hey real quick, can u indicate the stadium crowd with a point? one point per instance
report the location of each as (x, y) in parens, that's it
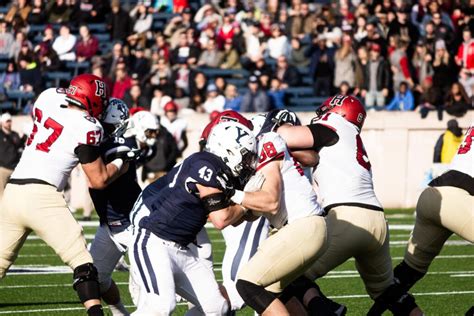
(246, 55)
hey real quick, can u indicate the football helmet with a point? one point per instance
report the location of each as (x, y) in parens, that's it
(257, 122)
(88, 92)
(116, 116)
(347, 106)
(144, 126)
(236, 145)
(225, 116)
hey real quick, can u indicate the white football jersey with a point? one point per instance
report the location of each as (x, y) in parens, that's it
(176, 128)
(344, 172)
(464, 159)
(57, 131)
(298, 198)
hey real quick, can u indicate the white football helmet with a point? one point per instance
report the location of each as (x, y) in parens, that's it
(236, 145)
(257, 122)
(116, 115)
(144, 126)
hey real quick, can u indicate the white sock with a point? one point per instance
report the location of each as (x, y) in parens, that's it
(118, 310)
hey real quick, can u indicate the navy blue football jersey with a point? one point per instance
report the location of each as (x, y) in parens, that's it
(114, 203)
(176, 210)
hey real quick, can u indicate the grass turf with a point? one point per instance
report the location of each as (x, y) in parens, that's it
(448, 289)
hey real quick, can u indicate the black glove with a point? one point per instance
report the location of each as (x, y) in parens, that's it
(285, 117)
(122, 152)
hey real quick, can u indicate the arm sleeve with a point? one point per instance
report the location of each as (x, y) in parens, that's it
(323, 136)
(87, 153)
(437, 149)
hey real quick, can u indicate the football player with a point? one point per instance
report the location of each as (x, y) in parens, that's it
(444, 208)
(286, 197)
(114, 203)
(355, 218)
(66, 132)
(181, 201)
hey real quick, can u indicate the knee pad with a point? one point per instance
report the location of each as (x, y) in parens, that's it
(406, 276)
(254, 295)
(86, 282)
(298, 289)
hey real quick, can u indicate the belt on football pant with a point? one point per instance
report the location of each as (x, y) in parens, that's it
(170, 243)
(361, 205)
(28, 181)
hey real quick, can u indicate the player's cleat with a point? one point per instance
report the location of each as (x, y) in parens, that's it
(470, 312)
(336, 308)
(122, 265)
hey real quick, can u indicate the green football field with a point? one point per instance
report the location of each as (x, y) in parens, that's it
(39, 284)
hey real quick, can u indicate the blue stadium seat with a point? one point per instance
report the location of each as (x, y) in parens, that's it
(97, 27)
(216, 72)
(3, 66)
(163, 16)
(7, 105)
(19, 97)
(37, 28)
(103, 37)
(158, 25)
(307, 80)
(77, 67)
(4, 9)
(238, 82)
(300, 91)
(57, 76)
(307, 101)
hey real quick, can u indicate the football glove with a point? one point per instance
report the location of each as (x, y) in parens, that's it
(122, 152)
(226, 184)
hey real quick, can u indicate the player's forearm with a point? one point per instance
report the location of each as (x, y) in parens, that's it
(261, 201)
(296, 137)
(228, 216)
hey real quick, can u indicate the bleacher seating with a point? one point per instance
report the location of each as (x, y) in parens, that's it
(77, 67)
(54, 78)
(216, 72)
(19, 96)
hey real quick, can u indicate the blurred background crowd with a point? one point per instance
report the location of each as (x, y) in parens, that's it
(244, 55)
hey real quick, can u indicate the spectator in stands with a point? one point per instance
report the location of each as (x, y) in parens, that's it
(113, 59)
(10, 79)
(210, 57)
(161, 47)
(134, 98)
(165, 158)
(430, 99)
(214, 100)
(180, 75)
(159, 100)
(277, 94)
(121, 83)
(400, 65)
(403, 27)
(302, 22)
(457, 102)
(445, 72)
(465, 53)
(20, 41)
(287, 74)
(139, 63)
(345, 63)
(232, 98)
(184, 50)
(58, 11)
(373, 37)
(421, 62)
(174, 28)
(403, 99)
(226, 30)
(253, 42)
(90, 11)
(38, 13)
(87, 46)
(448, 143)
(176, 126)
(261, 68)
(206, 16)
(277, 44)
(377, 80)
(442, 29)
(19, 8)
(30, 75)
(11, 148)
(65, 43)
(230, 56)
(119, 22)
(321, 68)
(433, 10)
(197, 90)
(255, 99)
(6, 40)
(143, 21)
(297, 56)
(344, 89)
(221, 84)
(360, 66)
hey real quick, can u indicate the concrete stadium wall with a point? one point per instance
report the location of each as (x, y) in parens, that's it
(400, 147)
